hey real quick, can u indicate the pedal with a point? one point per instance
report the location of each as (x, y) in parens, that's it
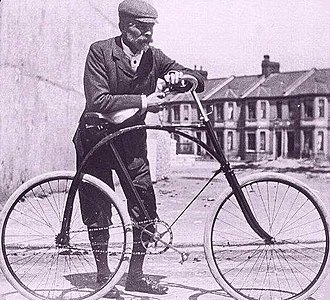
(184, 257)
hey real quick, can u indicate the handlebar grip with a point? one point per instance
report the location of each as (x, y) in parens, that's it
(187, 83)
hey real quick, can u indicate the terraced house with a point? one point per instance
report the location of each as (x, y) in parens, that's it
(263, 116)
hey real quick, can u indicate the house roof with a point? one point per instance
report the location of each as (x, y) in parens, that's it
(236, 87)
(317, 83)
(283, 84)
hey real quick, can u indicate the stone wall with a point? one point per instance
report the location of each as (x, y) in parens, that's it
(43, 46)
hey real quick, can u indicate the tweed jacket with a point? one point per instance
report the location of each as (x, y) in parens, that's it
(111, 85)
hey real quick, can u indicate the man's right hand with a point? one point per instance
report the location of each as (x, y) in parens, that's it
(155, 102)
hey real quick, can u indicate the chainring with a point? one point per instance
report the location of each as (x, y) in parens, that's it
(159, 241)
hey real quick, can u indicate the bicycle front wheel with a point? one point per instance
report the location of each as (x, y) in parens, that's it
(244, 265)
(40, 268)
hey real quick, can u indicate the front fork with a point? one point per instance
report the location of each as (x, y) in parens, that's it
(245, 207)
(234, 184)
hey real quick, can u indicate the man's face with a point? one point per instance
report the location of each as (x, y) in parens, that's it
(138, 35)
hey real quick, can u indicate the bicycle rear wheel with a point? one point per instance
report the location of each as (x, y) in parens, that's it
(30, 258)
(246, 267)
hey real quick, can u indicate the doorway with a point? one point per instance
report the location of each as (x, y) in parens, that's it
(199, 149)
(291, 144)
(278, 144)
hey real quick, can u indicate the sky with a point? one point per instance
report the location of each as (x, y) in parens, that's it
(230, 37)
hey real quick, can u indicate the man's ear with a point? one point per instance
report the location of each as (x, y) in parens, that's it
(121, 26)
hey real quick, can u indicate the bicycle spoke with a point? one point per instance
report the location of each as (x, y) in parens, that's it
(249, 268)
(44, 269)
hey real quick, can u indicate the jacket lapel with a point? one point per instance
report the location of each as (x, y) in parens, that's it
(146, 64)
(122, 61)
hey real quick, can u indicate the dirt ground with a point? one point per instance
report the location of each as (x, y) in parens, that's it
(189, 176)
(192, 279)
(186, 179)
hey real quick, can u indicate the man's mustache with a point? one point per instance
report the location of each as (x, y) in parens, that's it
(144, 40)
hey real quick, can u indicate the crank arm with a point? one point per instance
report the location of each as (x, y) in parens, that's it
(184, 255)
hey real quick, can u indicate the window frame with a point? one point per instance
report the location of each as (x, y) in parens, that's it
(263, 141)
(186, 112)
(263, 111)
(279, 109)
(321, 109)
(251, 112)
(230, 111)
(248, 141)
(219, 113)
(230, 140)
(176, 113)
(308, 108)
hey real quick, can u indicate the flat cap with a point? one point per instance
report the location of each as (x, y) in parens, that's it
(138, 10)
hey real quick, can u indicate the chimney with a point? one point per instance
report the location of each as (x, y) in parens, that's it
(201, 71)
(268, 67)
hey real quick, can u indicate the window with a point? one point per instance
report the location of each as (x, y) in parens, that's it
(230, 141)
(321, 107)
(183, 145)
(320, 141)
(251, 141)
(263, 110)
(230, 111)
(219, 111)
(186, 112)
(309, 110)
(262, 141)
(168, 113)
(279, 109)
(251, 110)
(176, 113)
(220, 137)
(308, 143)
(291, 110)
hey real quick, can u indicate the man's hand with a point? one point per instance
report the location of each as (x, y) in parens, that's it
(155, 101)
(173, 77)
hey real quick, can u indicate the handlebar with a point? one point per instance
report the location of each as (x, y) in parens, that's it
(187, 83)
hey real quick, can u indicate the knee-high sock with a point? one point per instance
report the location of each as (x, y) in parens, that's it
(99, 240)
(135, 270)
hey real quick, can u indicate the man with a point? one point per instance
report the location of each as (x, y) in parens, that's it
(120, 80)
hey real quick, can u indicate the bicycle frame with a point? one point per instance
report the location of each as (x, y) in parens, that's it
(214, 149)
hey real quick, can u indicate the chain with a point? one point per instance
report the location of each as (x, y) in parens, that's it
(113, 226)
(110, 253)
(137, 224)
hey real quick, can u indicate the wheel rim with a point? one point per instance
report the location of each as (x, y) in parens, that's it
(290, 267)
(36, 265)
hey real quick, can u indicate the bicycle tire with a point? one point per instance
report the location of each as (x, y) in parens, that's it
(29, 256)
(240, 261)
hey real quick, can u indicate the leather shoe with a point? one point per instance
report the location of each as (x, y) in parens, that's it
(145, 285)
(102, 279)
(113, 293)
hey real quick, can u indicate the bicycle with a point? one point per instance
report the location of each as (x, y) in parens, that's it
(266, 238)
